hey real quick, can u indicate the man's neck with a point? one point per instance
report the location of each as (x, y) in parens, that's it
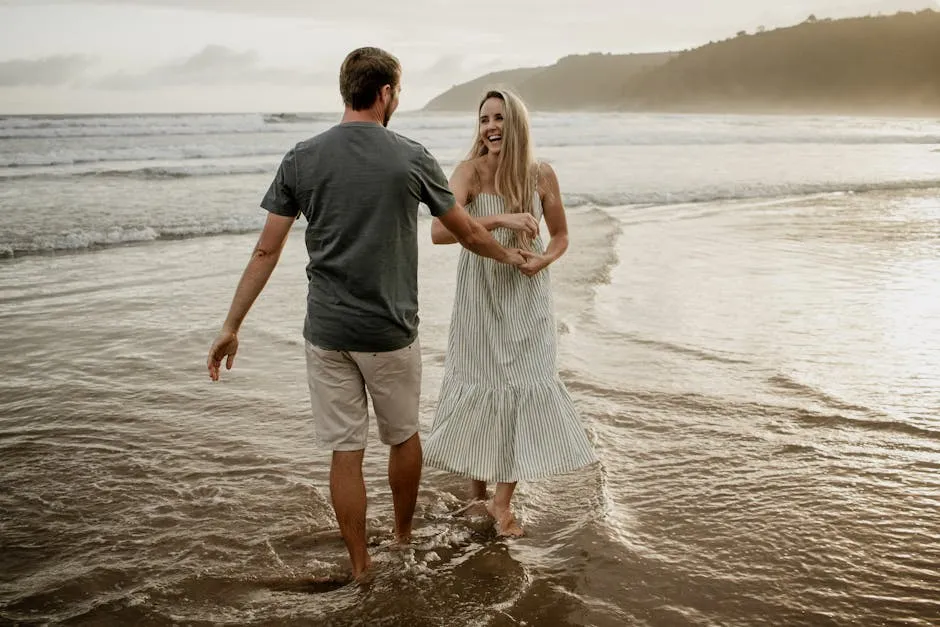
(365, 115)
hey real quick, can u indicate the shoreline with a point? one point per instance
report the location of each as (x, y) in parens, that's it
(734, 110)
(731, 108)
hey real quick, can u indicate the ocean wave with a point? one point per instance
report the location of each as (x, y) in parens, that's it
(887, 425)
(121, 126)
(153, 172)
(296, 118)
(80, 133)
(174, 172)
(652, 198)
(86, 239)
(199, 166)
(685, 350)
(82, 240)
(796, 388)
(79, 240)
(652, 140)
(189, 167)
(840, 413)
(839, 416)
(104, 237)
(88, 157)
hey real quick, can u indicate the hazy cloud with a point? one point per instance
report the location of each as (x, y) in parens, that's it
(533, 13)
(523, 15)
(285, 54)
(366, 9)
(214, 66)
(445, 68)
(531, 20)
(48, 71)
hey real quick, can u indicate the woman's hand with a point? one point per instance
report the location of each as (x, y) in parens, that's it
(521, 222)
(534, 262)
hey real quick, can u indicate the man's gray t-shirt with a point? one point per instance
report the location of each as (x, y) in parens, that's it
(359, 186)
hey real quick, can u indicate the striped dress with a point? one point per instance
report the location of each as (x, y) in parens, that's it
(503, 413)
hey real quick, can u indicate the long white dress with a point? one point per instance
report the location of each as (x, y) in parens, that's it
(503, 413)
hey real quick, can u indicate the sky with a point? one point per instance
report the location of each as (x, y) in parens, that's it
(113, 56)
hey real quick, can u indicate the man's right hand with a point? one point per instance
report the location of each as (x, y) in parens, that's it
(476, 238)
(514, 257)
(225, 346)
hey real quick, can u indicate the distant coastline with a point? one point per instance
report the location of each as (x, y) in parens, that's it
(883, 65)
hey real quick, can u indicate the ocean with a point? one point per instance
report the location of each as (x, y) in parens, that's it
(748, 319)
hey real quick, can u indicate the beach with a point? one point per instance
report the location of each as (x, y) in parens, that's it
(748, 320)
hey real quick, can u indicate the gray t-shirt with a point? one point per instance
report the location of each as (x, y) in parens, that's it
(359, 186)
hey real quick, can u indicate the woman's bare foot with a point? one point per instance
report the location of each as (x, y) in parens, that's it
(506, 524)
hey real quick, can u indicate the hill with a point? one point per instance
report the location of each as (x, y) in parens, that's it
(574, 82)
(871, 64)
(881, 64)
(465, 96)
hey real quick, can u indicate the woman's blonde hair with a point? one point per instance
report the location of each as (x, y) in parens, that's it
(515, 170)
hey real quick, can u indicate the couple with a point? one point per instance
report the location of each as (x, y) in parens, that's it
(503, 413)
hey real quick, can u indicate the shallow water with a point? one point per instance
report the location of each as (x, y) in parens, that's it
(759, 371)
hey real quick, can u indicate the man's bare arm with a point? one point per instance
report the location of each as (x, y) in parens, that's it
(476, 238)
(263, 260)
(460, 184)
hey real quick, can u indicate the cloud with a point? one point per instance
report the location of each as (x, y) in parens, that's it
(507, 18)
(444, 68)
(451, 69)
(48, 71)
(214, 65)
(292, 8)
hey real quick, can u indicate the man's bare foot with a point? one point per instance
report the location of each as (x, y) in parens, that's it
(361, 573)
(365, 577)
(402, 539)
(506, 524)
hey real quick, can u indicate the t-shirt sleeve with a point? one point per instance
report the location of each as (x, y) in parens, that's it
(435, 192)
(281, 197)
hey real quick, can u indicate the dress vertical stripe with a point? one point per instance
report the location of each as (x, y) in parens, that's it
(503, 413)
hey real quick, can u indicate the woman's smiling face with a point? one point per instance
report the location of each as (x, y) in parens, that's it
(491, 124)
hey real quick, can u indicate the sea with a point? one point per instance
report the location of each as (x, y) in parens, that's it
(748, 320)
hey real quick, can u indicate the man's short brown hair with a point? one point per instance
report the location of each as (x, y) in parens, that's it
(363, 74)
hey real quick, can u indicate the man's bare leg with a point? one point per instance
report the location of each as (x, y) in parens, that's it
(348, 493)
(404, 475)
(500, 509)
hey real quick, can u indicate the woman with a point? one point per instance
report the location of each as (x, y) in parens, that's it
(504, 415)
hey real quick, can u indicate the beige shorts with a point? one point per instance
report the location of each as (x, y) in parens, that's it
(338, 383)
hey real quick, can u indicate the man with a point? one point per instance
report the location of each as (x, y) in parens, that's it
(359, 185)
